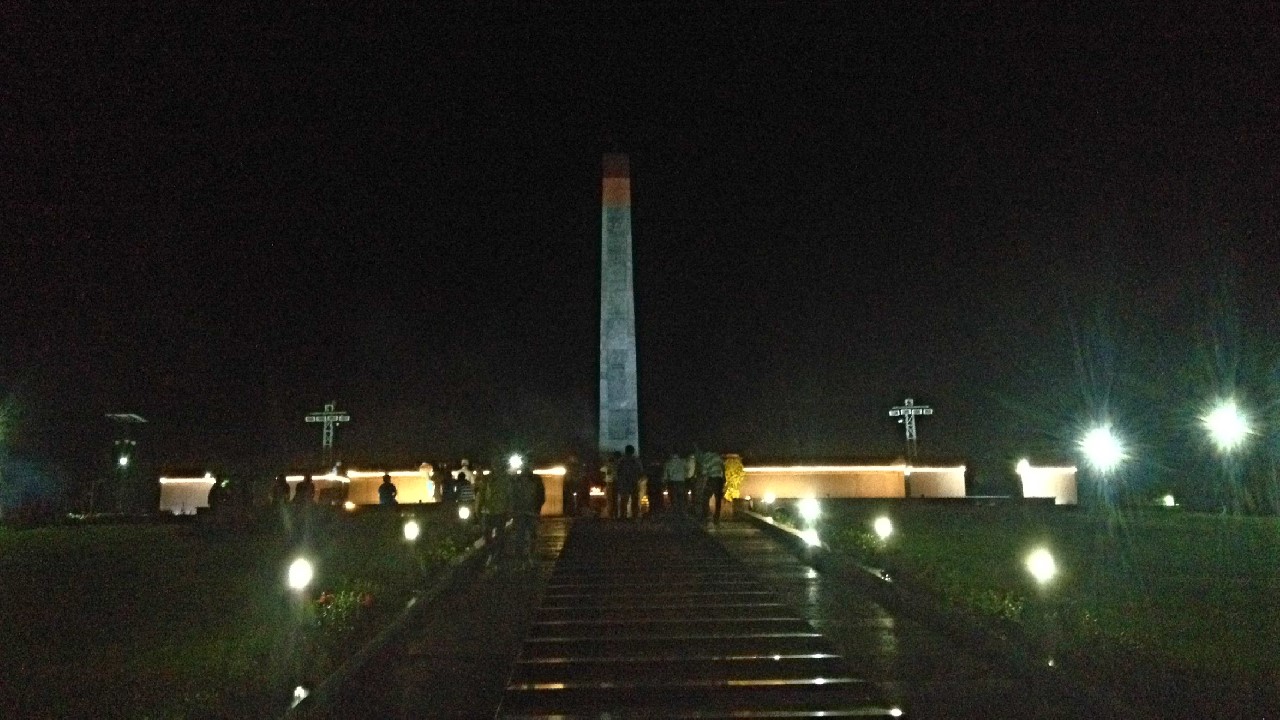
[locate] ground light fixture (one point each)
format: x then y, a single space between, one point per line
1169 501
300 574
412 530
883 527
1227 426
1102 449
464 512
810 510
1041 565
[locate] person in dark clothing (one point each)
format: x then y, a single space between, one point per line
628 484
305 493
387 491
527 496
279 490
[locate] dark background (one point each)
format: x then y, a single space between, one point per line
1029 218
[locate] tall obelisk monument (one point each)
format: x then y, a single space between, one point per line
619 405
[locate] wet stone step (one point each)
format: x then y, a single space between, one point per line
666 611
681 670
621 629
744 699
585 648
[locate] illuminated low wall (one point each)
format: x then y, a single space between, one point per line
183 496
361 486
1058 483
852 481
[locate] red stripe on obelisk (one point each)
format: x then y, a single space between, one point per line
617 181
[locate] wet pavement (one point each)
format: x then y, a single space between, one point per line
657 619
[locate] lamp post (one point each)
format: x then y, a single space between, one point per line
1043 569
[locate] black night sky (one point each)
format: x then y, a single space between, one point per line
1025 217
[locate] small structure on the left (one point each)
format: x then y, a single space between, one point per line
126 492
185 495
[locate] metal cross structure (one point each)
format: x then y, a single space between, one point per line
331 418
906 414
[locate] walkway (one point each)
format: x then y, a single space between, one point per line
653 619
666 620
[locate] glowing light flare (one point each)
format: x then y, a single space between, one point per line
895 712
514 463
769 498
300 574
349 505
1041 565
412 530
1024 466
464 512
596 492
811 538
1228 427
1103 449
883 527
1169 501
810 510
123 461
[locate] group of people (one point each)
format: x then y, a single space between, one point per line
694 484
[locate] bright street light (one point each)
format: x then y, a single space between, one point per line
300 574
514 463
412 530
810 509
1041 565
883 527
1103 449
1227 425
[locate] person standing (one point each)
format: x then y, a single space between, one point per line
305 493
527 496
387 491
673 472
465 493
279 490
697 479
572 485
628 484
610 472
713 468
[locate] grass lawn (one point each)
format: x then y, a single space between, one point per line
1197 594
188 620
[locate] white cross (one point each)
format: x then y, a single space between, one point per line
331 418
908 411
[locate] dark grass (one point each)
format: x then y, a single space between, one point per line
1194 598
191 620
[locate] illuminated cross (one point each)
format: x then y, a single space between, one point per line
907 412
330 418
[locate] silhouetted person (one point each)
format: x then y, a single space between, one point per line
279 490
628 484
387 491
713 467
527 496
305 492
673 472
217 495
